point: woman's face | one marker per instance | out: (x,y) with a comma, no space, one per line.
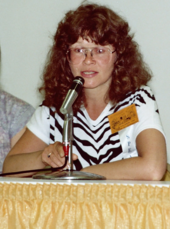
(95,69)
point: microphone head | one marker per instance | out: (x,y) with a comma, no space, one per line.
(72,94)
(79,78)
(77,83)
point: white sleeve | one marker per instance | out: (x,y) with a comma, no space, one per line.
(148,113)
(39,124)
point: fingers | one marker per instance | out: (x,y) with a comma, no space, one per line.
(53,155)
(74,157)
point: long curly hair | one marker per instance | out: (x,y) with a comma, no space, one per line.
(103,26)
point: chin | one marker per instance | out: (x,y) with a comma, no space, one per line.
(90,86)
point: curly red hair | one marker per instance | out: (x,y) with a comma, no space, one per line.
(103,26)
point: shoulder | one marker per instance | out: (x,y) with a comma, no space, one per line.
(14,112)
(42,122)
(12,104)
(40,117)
(143,91)
(44,113)
(140,96)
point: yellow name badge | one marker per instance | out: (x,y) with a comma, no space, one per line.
(123,118)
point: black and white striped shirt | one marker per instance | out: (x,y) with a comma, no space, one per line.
(93,141)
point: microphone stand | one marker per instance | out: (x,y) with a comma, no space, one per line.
(69,173)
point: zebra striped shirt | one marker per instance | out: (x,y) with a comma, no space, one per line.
(93,140)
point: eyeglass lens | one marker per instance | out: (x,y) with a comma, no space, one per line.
(76,55)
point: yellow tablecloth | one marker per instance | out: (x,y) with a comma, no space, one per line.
(90,206)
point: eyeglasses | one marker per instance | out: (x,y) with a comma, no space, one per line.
(77,55)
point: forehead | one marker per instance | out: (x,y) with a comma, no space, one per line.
(81,42)
(87,43)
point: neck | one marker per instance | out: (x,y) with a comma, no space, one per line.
(95,103)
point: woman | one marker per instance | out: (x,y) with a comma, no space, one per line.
(94,42)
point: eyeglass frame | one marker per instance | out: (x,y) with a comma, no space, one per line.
(91,51)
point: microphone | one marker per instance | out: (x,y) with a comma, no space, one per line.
(72,94)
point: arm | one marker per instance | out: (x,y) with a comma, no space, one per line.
(16,137)
(30,152)
(149,165)
(21,156)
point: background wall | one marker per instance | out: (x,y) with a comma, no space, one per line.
(27,28)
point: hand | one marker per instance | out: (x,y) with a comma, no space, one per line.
(54,155)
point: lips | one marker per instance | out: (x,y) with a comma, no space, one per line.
(88,73)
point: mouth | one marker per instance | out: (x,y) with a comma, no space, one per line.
(88,73)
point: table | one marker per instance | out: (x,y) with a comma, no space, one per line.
(32,203)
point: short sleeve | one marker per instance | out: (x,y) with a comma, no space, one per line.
(148,112)
(39,124)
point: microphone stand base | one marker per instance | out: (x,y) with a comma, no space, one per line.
(68,175)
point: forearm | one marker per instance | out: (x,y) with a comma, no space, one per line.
(20,162)
(136,168)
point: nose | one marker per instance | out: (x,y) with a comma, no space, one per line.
(88,57)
